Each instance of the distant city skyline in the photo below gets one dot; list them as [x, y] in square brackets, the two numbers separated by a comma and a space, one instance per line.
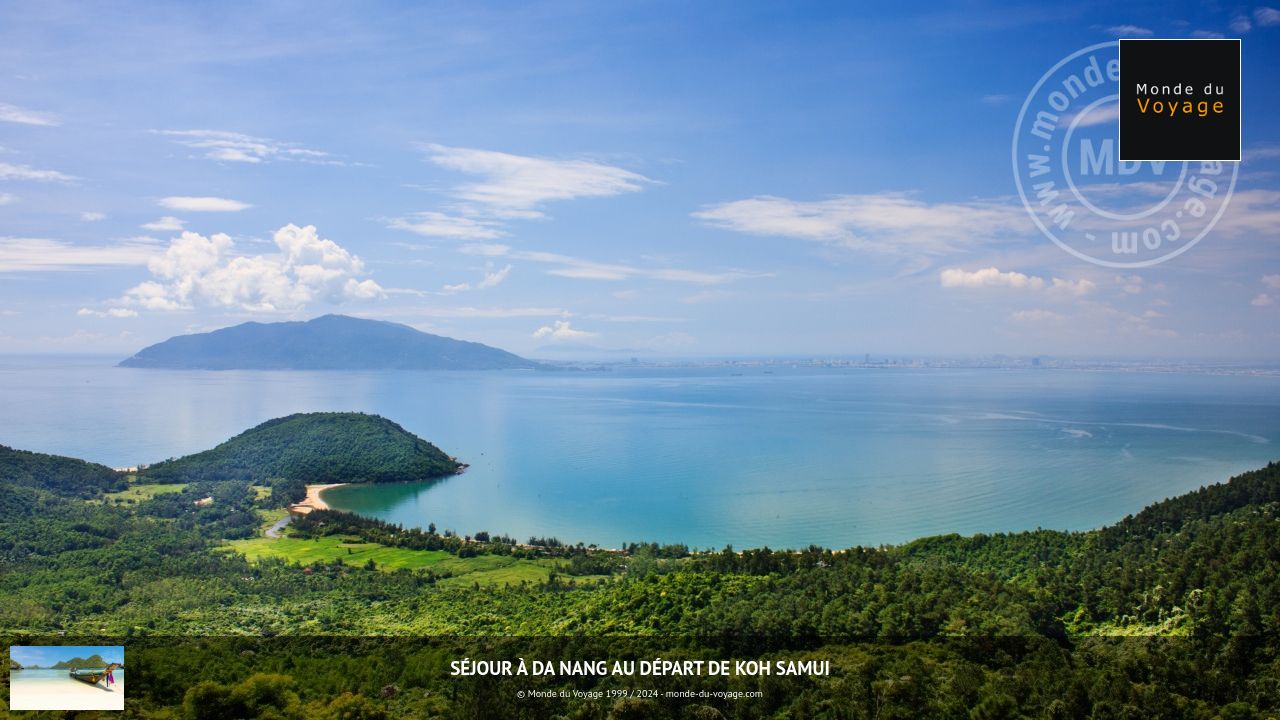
[564, 179]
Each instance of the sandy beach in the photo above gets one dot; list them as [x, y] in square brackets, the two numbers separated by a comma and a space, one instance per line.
[313, 500]
[54, 690]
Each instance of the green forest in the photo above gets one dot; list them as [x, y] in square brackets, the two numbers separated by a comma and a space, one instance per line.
[1170, 613]
[291, 451]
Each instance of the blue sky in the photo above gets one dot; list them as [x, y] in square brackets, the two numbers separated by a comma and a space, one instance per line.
[47, 656]
[560, 179]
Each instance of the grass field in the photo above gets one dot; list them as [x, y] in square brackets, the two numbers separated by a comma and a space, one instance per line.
[484, 569]
[139, 493]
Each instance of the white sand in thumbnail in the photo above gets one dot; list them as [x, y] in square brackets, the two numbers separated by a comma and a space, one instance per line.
[55, 690]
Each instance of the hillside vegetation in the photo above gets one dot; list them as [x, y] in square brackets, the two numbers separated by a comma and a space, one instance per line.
[1171, 613]
[312, 448]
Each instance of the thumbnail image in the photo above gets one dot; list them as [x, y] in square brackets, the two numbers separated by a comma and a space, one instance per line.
[66, 677]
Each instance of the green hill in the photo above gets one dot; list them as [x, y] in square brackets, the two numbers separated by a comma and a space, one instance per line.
[328, 447]
[93, 661]
[61, 475]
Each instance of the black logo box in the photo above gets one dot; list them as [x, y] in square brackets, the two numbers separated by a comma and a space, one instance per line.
[1180, 65]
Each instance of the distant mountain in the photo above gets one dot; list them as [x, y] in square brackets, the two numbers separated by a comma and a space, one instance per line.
[93, 661]
[331, 342]
[326, 447]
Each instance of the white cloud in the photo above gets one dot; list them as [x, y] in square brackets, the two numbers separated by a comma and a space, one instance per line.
[880, 222]
[561, 330]
[1240, 24]
[1131, 284]
[1072, 287]
[1251, 211]
[1271, 281]
[485, 249]
[115, 312]
[1036, 317]
[1266, 16]
[1105, 114]
[15, 114]
[994, 277]
[489, 313]
[1262, 300]
[6, 199]
[92, 216]
[198, 270]
[515, 186]
[237, 147]
[579, 268]
[168, 223]
[203, 204]
[24, 172]
[1262, 152]
[437, 224]
[1130, 31]
[491, 278]
[40, 255]
[988, 277]
[1207, 35]
[996, 99]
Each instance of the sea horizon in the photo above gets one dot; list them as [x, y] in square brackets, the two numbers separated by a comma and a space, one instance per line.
[774, 456]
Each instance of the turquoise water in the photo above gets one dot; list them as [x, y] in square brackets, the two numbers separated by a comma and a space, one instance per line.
[705, 456]
[55, 677]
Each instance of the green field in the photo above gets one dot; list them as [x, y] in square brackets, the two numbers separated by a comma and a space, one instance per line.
[139, 493]
[483, 569]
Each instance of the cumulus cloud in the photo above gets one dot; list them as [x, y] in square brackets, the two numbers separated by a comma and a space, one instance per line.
[1262, 300]
[561, 330]
[15, 114]
[43, 255]
[880, 222]
[237, 147]
[994, 277]
[23, 172]
[202, 204]
[168, 223]
[199, 270]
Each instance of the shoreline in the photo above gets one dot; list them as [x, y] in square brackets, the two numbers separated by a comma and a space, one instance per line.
[313, 500]
[43, 690]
